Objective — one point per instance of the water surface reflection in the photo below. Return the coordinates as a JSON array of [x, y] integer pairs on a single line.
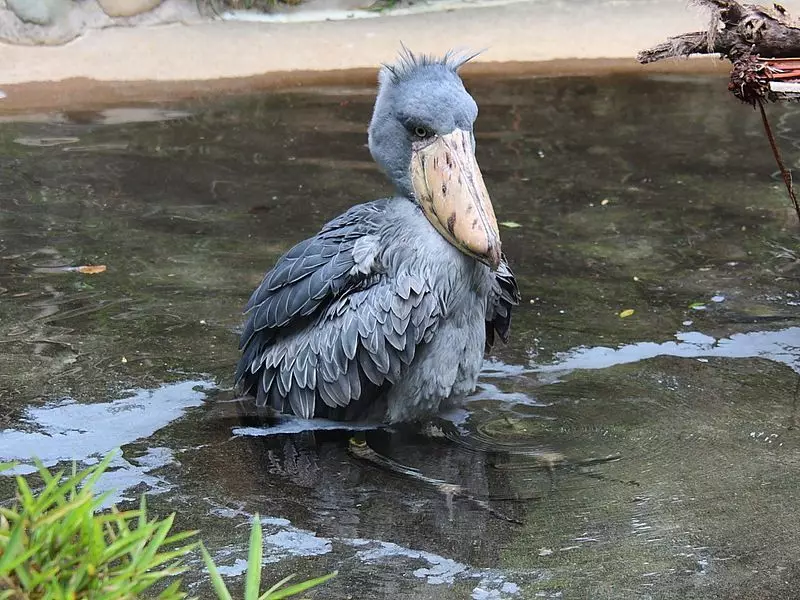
[[647, 456]]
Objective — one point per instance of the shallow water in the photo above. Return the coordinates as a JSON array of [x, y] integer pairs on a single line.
[[653, 456]]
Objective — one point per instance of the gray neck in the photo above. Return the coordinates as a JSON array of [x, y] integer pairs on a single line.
[[389, 142]]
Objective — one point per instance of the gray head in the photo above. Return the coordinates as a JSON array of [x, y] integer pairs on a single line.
[[421, 134], [417, 96]]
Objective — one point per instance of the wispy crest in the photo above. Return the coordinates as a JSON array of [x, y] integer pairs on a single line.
[[408, 62]]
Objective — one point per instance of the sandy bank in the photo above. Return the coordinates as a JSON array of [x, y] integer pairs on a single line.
[[179, 60]]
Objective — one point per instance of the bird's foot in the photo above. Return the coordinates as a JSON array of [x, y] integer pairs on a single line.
[[359, 448]]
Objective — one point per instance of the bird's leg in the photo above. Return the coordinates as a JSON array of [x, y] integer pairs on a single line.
[[360, 449]]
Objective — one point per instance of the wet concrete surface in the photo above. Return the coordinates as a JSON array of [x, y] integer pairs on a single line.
[[650, 456]]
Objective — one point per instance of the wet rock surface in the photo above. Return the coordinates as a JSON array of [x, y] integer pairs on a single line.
[[38, 12], [653, 455], [56, 22], [127, 8]]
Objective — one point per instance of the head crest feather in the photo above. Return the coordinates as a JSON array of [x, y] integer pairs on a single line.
[[408, 62]]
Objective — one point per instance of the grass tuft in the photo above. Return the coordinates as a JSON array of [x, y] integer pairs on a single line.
[[56, 542], [253, 581]]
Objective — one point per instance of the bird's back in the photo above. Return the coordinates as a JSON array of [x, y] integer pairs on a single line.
[[344, 316]]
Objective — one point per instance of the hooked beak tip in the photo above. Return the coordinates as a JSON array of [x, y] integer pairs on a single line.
[[491, 258]]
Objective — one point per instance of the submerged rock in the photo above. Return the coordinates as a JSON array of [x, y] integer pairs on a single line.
[[127, 8], [38, 12]]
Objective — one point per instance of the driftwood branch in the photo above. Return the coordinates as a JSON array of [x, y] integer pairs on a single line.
[[762, 43], [736, 30], [687, 44], [764, 46]]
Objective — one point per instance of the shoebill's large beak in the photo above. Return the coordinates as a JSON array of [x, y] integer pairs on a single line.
[[449, 187]]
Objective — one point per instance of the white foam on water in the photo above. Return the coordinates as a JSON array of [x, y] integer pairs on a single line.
[[438, 569], [489, 391], [68, 431], [291, 425], [282, 540], [782, 346]]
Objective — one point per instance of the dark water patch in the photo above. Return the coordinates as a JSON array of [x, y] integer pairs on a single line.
[[651, 455]]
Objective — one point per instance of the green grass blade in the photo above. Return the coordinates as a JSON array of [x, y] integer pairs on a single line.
[[15, 562], [162, 557], [179, 537], [51, 493], [157, 540], [24, 577], [143, 512], [299, 588], [172, 592], [62, 511], [277, 586], [24, 492], [125, 544], [119, 516], [93, 473], [12, 548], [8, 513], [254, 561], [216, 578]]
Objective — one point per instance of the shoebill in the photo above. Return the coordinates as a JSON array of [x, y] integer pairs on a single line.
[[388, 310]]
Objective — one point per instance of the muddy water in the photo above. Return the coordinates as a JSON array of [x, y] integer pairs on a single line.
[[651, 456]]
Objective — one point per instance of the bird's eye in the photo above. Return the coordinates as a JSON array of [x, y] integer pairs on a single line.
[[421, 132]]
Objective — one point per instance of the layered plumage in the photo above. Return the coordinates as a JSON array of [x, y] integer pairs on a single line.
[[376, 317]]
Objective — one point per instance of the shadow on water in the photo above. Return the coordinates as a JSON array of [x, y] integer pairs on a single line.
[[653, 455]]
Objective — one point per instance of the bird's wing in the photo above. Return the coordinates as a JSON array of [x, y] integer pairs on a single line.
[[503, 295], [327, 326]]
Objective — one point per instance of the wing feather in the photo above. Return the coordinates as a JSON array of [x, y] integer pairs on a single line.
[[504, 295], [326, 328]]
